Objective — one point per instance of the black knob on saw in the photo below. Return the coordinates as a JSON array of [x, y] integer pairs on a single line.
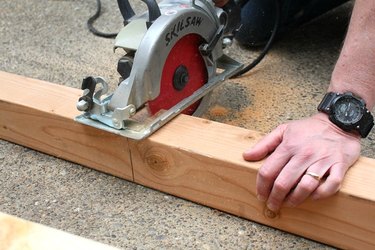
[[85, 102], [124, 66], [180, 78]]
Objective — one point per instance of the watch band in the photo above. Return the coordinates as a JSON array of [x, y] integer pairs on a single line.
[[366, 124], [325, 104]]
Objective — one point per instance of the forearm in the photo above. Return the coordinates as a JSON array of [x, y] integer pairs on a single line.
[[355, 68]]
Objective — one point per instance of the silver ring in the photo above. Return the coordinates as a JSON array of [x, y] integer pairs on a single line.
[[313, 175]]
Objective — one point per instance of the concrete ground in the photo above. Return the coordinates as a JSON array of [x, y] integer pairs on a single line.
[[48, 40]]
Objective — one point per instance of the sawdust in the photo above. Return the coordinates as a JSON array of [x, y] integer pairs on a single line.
[[270, 95], [218, 111], [265, 106], [268, 103]]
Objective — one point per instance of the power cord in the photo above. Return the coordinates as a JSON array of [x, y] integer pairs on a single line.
[[92, 19], [267, 47]]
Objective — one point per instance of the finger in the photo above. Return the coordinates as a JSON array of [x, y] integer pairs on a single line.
[[304, 188], [287, 179], [265, 146], [307, 185], [332, 184], [270, 170]]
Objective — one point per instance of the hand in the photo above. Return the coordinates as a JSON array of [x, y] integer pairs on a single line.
[[311, 145]]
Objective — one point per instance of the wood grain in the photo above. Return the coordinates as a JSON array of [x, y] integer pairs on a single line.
[[192, 158], [40, 115], [202, 161], [18, 234]]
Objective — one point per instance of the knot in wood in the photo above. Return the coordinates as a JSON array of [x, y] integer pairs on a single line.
[[270, 214], [158, 161]]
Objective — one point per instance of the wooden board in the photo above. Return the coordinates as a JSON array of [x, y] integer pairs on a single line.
[[39, 115], [192, 158], [18, 234]]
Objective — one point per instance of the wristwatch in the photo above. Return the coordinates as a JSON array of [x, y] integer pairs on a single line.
[[348, 112]]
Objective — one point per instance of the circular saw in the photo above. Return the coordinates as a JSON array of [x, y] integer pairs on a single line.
[[173, 59]]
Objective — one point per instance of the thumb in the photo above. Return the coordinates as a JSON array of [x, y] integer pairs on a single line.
[[266, 145]]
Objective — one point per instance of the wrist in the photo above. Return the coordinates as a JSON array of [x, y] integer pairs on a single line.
[[321, 116]]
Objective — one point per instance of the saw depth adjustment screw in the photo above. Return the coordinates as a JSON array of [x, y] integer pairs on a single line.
[[180, 78], [132, 111], [83, 105]]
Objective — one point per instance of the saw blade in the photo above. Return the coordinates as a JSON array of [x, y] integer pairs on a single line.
[[183, 73]]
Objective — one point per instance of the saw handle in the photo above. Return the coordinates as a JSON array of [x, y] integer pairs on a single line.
[[127, 11]]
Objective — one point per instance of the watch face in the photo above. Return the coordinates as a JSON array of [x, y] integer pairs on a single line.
[[348, 110]]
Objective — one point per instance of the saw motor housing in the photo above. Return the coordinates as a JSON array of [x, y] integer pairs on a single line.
[[147, 40]]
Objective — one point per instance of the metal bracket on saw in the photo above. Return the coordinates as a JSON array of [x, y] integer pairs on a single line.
[[139, 130]]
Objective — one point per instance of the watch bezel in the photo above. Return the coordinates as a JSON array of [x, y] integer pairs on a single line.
[[347, 126]]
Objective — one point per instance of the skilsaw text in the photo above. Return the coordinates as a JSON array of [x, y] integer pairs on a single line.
[[181, 25]]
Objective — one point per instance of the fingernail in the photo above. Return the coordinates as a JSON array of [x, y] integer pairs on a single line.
[[248, 151], [261, 198], [289, 204], [272, 207], [244, 154], [315, 197]]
